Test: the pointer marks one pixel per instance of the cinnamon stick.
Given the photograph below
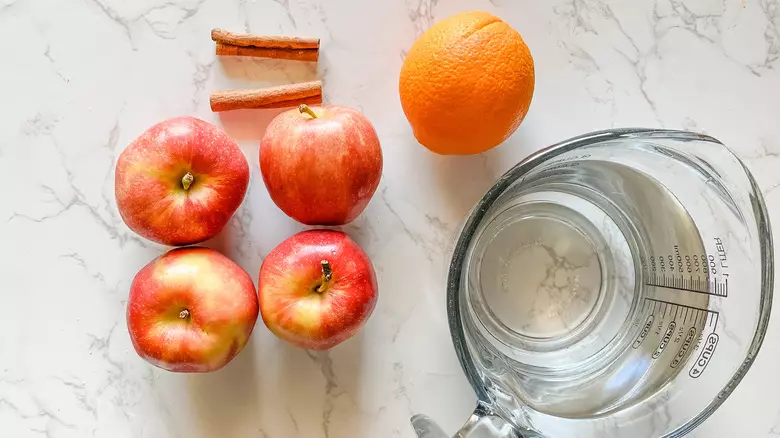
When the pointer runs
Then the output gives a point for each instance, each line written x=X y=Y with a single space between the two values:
x=271 y=97
x=293 y=54
x=264 y=42
x=313 y=100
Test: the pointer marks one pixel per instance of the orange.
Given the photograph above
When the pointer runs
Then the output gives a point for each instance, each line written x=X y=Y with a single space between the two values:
x=466 y=84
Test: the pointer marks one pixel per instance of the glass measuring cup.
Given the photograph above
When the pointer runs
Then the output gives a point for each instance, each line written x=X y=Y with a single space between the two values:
x=616 y=284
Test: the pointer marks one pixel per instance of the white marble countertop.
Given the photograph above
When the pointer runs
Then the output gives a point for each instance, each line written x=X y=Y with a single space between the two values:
x=79 y=79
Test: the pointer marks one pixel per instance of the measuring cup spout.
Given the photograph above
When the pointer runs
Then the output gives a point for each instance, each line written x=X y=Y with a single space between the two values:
x=483 y=423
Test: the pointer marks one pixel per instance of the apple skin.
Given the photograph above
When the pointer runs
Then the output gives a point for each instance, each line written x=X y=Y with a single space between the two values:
x=218 y=296
x=323 y=170
x=290 y=305
x=149 y=185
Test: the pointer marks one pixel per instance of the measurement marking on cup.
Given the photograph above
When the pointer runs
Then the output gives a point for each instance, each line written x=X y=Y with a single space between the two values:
x=681 y=305
x=643 y=334
x=665 y=340
x=708 y=287
x=713 y=320
x=705 y=356
x=708 y=317
x=686 y=345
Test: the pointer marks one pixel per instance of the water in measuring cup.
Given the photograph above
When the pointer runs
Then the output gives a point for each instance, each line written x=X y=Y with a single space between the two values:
x=592 y=289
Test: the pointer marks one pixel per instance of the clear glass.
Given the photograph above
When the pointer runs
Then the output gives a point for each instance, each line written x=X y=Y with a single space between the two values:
x=616 y=284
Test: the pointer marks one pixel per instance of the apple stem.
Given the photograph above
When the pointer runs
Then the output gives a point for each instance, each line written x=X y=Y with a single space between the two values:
x=303 y=108
x=184 y=314
x=327 y=276
x=187 y=180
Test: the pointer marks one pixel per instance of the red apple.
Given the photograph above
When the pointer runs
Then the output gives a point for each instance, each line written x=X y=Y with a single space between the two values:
x=191 y=310
x=180 y=181
x=321 y=165
x=317 y=289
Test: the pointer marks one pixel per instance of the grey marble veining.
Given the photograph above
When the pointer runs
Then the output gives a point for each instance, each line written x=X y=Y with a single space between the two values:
x=81 y=78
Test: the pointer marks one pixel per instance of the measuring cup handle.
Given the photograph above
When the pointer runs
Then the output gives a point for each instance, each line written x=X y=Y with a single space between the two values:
x=483 y=423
